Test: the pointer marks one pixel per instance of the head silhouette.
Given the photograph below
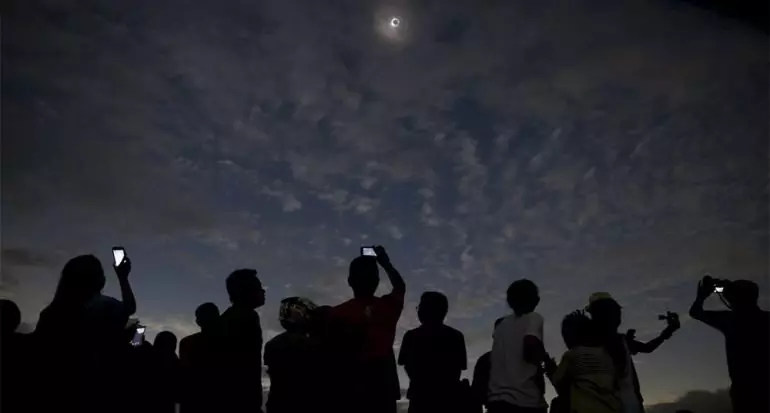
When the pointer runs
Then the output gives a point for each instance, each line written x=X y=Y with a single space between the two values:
x=605 y=312
x=245 y=289
x=207 y=316
x=296 y=314
x=742 y=295
x=523 y=296
x=364 y=276
x=10 y=317
x=81 y=279
x=576 y=329
x=165 y=342
x=433 y=308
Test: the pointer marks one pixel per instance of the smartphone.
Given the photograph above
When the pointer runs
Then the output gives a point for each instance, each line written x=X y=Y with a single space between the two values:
x=138 y=336
x=719 y=289
x=118 y=254
x=368 y=251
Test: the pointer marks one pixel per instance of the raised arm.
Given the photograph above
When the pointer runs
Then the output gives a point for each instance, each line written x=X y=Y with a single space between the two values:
x=715 y=319
x=393 y=275
x=636 y=347
x=126 y=293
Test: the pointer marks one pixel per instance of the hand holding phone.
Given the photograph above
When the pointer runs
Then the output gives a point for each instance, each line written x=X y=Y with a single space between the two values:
x=121 y=263
x=138 y=336
x=118 y=255
x=368 y=251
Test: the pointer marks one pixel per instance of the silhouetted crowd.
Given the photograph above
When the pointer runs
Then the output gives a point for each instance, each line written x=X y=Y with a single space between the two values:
x=88 y=355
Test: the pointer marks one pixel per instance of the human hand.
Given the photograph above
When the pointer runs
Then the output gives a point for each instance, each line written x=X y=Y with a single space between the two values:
x=631 y=334
x=705 y=286
x=382 y=255
x=123 y=269
x=673 y=322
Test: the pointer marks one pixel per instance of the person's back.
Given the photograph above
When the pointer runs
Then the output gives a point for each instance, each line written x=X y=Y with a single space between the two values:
x=291 y=360
x=242 y=343
x=199 y=357
x=586 y=374
x=166 y=374
x=434 y=356
x=367 y=325
x=78 y=335
x=481 y=371
x=516 y=383
x=747 y=338
x=15 y=356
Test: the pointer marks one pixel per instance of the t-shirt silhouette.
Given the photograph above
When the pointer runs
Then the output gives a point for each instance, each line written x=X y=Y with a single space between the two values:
x=367 y=330
x=199 y=356
x=377 y=318
x=513 y=380
x=242 y=359
x=434 y=357
x=481 y=371
x=291 y=361
x=589 y=374
x=747 y=339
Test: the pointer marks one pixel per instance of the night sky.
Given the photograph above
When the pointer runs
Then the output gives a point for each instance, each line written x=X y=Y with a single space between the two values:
x=616 y=146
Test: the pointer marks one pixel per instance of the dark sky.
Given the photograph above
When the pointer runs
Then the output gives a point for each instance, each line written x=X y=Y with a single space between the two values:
x=602 y=145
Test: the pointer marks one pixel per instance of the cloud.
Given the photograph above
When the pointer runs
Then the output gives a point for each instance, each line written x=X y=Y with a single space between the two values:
x=700 y=401
x=290 y=202
x=394 y=231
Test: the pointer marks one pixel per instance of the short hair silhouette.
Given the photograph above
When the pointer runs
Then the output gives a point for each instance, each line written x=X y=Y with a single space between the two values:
x=742 y=294
x=81 y=278
x=10 y=316
x=165 y=342
x=433 y=307
x=606 y=313
x=522 y=296
x=364 y=276
x=576 y=329
x=244 y=288
x=206 y=315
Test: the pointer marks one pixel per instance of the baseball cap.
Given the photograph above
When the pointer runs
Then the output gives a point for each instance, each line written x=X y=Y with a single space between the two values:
x=601 y=295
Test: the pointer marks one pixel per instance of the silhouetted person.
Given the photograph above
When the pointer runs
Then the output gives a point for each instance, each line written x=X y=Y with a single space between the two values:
x=14 y=352
x=481 y=371
x=242 y=343
x=606 y=314
x=433 y=356
x=199 y=356
x=516 y=383
x=79 y=335
x=586 y=379
x=747 y=338
x=166 y=373
x=329 y=358
x=291 y=360
x=367 y=325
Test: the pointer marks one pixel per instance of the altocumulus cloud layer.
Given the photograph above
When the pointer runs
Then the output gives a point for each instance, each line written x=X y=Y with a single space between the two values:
x=587 y=147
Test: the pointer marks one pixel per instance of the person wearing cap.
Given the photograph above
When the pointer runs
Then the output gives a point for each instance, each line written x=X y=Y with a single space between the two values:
x=747 y=338
x=607 y=314
x=290 y=359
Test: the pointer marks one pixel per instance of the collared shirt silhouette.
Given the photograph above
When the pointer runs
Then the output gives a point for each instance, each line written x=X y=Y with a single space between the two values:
x=366 y=329
x=433 y=356
x=242 y=344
